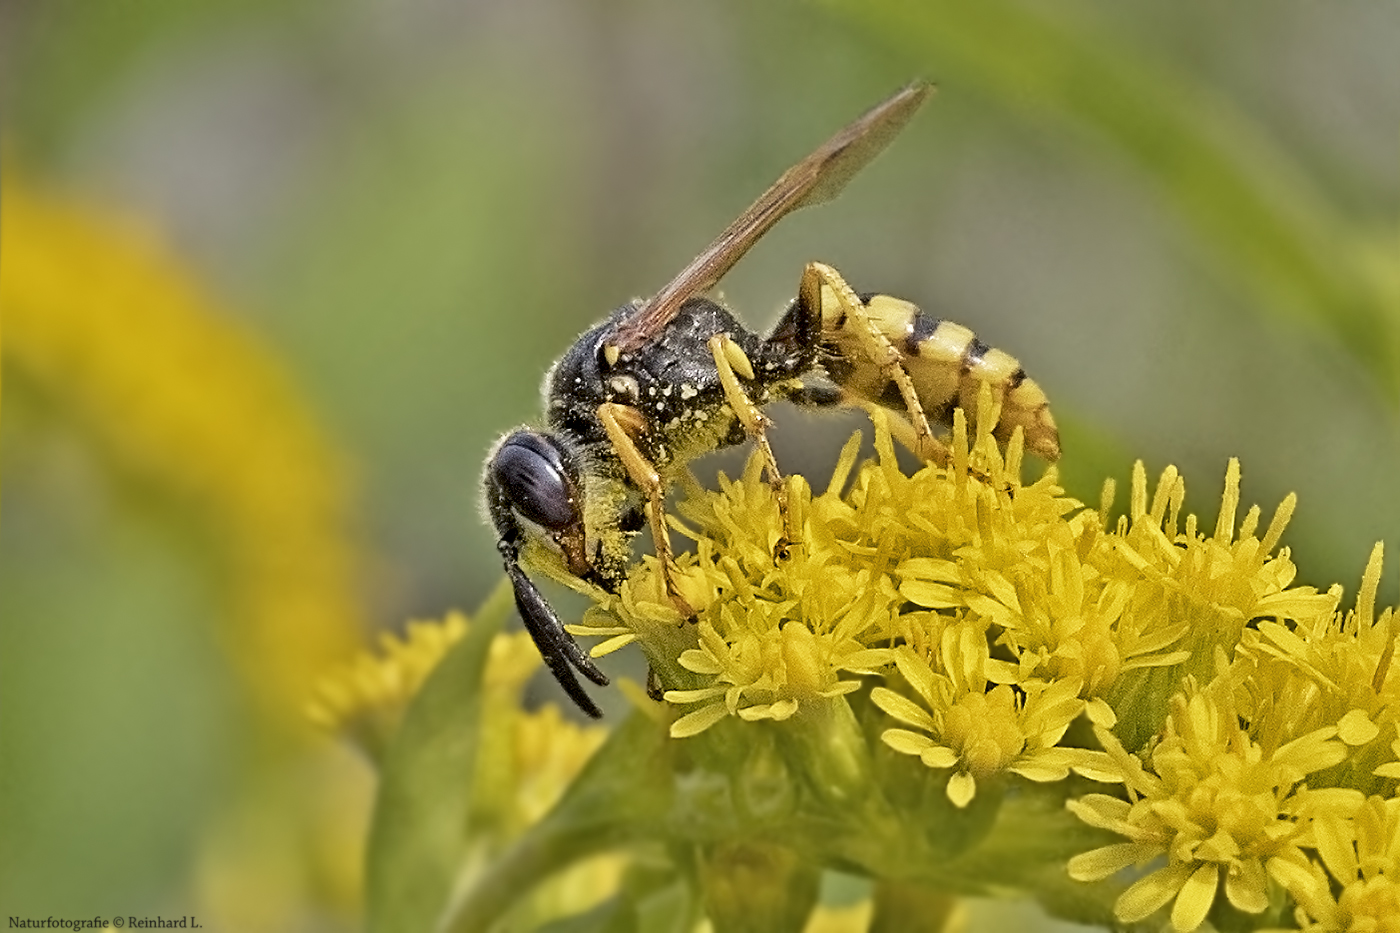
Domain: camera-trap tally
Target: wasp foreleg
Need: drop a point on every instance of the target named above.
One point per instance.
(620, 421)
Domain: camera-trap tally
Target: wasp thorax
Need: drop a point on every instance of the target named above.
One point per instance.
(529, 470)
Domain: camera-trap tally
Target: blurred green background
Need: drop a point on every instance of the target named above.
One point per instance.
(1180, 216)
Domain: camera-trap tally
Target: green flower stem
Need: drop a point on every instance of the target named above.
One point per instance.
(752, 887)
(901, 907)
(824, 796)
(824, 742)
(530, 861)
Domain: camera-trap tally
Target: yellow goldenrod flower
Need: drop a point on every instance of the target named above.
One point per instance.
(1192, 593)
(771, 637)
(982, 731)
(1362, 856)
(1217, 804)
(1328, 668)
(1029, 587)
(782, 637)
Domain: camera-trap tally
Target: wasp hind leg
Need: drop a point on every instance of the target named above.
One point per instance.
(620, 421)
(729, 355)
(915, 434)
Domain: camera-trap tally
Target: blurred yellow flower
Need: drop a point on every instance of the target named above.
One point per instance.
(366, 697)
(103, 320)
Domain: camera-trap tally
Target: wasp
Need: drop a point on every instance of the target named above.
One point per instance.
(661, 381)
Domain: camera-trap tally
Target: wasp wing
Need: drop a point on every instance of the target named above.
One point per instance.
(815, 180)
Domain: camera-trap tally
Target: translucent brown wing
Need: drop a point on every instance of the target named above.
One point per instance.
(816, 179)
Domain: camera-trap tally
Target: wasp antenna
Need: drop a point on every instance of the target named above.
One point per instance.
(555, 645)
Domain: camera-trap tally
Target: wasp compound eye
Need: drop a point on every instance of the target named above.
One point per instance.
(529, 469)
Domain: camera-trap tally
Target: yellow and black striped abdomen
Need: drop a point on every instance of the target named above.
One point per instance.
(945, 361)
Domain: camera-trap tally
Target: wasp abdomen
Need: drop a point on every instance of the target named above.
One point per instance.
(945, 361)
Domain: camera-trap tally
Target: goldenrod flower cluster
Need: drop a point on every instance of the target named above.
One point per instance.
(1243, 727)
(1204, 742)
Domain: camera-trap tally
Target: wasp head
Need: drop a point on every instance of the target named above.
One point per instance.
(533, 494)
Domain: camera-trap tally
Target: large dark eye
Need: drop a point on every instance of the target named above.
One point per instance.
(529, 469)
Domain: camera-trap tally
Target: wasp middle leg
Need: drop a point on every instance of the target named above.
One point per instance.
(729, 356)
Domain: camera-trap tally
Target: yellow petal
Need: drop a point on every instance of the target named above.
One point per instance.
(938, 756)
(1197, 894)
(1146, 895)
(693, 696)
(612, 644)
(906, 742)
(783, 709)
(1356, 728)
(1044, 767)
(1100, 713)
(1097, 766)
(1336, 844)
(962, 787)
(700, 662)
(698, 721)
(1245, 886)
(1101, 810)
(903, 709)
(931, 595)
(1101, 863)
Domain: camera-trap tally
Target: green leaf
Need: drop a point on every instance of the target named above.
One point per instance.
(420, 817)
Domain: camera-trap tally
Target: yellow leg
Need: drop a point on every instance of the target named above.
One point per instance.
(817, 275)
(727, 355)
(619, 421)
(928, 449)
